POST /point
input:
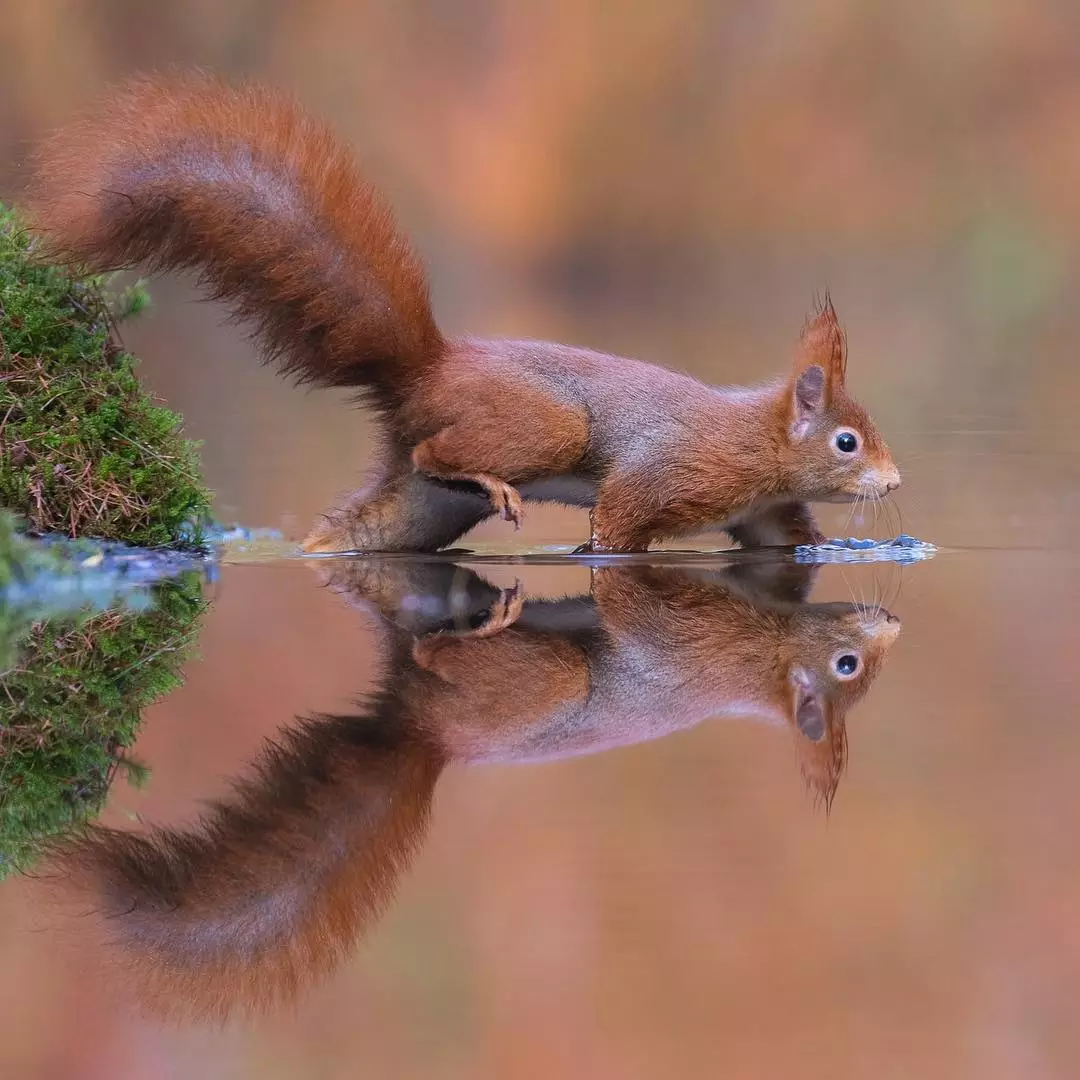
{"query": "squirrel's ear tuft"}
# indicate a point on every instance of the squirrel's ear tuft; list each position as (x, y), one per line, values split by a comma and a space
(824, 344)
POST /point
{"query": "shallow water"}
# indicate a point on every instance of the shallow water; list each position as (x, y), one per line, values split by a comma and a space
(620, 864)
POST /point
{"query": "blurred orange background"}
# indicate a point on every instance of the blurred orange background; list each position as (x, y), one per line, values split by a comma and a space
(671, 181)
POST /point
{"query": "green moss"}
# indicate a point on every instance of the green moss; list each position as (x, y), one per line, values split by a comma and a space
(71, 707)
(83, 449)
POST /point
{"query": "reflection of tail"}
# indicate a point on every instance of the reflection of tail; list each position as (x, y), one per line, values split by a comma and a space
(273, 886)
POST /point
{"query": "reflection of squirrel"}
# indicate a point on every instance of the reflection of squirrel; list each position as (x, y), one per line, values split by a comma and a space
(266, 204)
(275, 884)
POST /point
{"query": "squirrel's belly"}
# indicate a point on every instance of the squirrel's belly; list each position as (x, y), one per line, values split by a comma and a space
(569, 489)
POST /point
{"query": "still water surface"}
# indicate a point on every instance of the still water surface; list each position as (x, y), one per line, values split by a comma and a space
(655, 817)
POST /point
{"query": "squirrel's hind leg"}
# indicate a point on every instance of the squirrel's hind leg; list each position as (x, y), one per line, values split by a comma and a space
(546, 438)
(402, 512)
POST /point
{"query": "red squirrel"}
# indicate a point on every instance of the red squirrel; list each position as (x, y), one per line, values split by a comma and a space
(274, 885)
(266, 204)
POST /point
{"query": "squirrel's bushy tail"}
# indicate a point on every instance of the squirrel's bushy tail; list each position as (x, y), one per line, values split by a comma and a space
(264, 202)
(274, 886)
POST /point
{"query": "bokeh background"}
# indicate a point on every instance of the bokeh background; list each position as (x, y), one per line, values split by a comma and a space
(671, 181)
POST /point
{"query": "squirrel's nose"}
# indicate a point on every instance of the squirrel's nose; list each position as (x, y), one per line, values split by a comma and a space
(892, 485)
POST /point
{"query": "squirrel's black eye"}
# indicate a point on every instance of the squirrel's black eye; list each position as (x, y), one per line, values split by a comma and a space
(847, 664)
(846, 443)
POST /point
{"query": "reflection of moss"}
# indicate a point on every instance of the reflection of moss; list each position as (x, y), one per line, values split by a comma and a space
(71, 706)
(19, 561)
(83, 449)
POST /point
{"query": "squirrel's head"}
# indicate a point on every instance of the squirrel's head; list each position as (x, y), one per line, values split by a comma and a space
(833, 451)
(836, 653)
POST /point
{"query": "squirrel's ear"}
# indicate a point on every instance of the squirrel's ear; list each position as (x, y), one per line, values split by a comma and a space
(807, 399)
(808, 708)
(820, 738)
(810, 718)
(823, 344)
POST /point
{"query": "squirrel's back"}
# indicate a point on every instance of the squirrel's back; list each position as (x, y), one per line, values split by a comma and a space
(264, 202)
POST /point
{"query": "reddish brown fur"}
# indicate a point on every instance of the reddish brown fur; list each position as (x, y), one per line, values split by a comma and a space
(267, 205)
(265, 202)
(494, 692)
(665, 499)
(276, 884)
(549, 437)
(718, 639)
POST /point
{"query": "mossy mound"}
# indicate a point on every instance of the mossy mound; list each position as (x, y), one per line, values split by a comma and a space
(84, 450)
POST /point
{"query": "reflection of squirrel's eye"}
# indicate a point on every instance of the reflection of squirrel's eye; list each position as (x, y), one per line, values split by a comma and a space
(846, 443)
(847, 665)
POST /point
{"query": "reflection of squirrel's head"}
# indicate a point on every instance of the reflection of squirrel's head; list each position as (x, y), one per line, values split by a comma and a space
(835, 653)
(747, 633)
